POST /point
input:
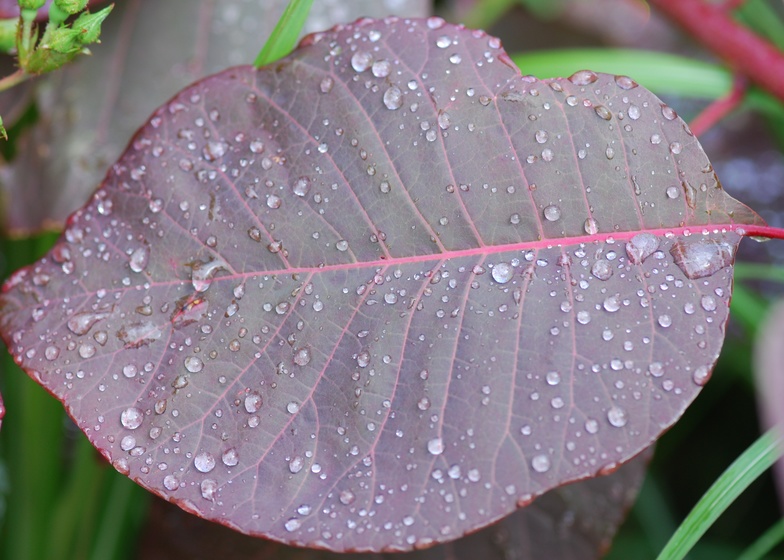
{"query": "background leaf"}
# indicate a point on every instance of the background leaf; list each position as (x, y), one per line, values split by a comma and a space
(369, 324)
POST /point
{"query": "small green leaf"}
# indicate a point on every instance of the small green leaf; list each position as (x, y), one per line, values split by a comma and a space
(71, 6)
(3, 133)
(89, 25)
(63, 40)
(31, 4)
(285, 34)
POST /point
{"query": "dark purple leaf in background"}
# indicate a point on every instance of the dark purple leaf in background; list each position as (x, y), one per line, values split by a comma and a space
(385, 291)
(149, 51)
(768, 360)
(573, 522)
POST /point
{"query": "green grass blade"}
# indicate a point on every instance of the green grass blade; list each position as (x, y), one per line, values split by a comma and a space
(662, 73)
(757, 271)
(740, 474)
(285, 34)
(765, 543)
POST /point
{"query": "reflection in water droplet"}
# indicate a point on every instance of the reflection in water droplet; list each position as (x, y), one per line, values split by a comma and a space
(296, 464)
(292, 525)
(208, 489)
(253, 402)
(708, 303)
(193, 364)
(672, 192)
(302, 356)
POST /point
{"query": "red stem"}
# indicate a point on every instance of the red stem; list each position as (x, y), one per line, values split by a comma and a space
(767, 232)
(744, 51)
(730, 5)
(720, 108)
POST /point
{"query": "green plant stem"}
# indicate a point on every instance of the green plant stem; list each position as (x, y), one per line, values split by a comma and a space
(765, 543)
(285, 34)
(741, 473)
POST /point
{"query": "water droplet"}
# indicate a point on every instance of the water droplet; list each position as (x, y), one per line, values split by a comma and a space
(625, 82)
(541, 136)
(202, 273)
(443, 42)
(664, 321)
(204, 462)
(208, 489)
(668, 112)
(612, 303)
(633, 112)
(81, 323)
(602, 269)
(701, 375)
(591, 227)
(341, 245)
(553, 378)
(296, 464)
(603, 112)
(552, 213)
(541, 463)
(502, 272)
(230, 457)
(702, 257)
(641, 246)
(381, 68)
(672, 192)
(170, 482)
(347, 497)
(435, 446)
(130, 370)
(302, 356)
(194, 364)
(423, 404)
(51, 353)
(138, 259)
(393, 98)
(274, 202)
(708, 303)
(583, 78)
(301, 186)
(591, 426)
(583, 317)
(253, 402)
(86, 350)
(292, 407)
(292, 525)
(361, 61)
(617, 417)
(131, 417)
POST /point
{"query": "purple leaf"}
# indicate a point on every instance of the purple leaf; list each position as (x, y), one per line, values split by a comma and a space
(385, 291)
(573, 522)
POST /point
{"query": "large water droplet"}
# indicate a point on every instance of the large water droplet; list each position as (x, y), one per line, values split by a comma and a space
(361, 61)
(194, 364)
(296, 464)
(302, 356)
(138, 259)
(435, 446)
(204, 462)
(230, 457)
(393, 98)
(81, 323)
(301, 186)
(253, 402)
(541, 463)
(698, 258)
(131, 417)
(552, 213)
(502, 272)
(641, 246)
(202, 273)
(617, 417)
(602, 269)
(583, 78)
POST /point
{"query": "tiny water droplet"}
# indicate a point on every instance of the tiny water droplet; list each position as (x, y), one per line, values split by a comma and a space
(301, 186)
(302, 356)
(252, 402)
(602, 269)
(230, 457)
(138, 259)
(393, 98)
(617, 417)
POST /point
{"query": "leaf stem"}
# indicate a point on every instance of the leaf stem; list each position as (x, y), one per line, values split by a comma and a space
(720, 108)
(744, 51)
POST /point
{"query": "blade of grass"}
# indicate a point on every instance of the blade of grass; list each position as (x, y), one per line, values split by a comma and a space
(741, 473)
(285, 34)
(662, 73)
(765, 543)
(756, 271)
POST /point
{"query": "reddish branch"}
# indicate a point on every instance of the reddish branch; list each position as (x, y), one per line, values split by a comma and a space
(720, 108)
(744, 51)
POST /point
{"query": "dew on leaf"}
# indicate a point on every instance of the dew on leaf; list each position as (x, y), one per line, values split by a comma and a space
(194, 364)
(253, 402)
(541, 463)
(641, 246)
(296, 464)
(292, 524)
(131, 418)
(552, 213)
(301, 186)
(393, 98)
(138, 259)
(708, 303)
(699, 258)
(81, 323)
(602, 269)
(502, 272)
(617, 417)
(230, 457)
(435, 446)
(204, 462)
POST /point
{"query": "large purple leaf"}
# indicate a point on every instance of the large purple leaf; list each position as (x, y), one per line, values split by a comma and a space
(385, 291)
(573, 522)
